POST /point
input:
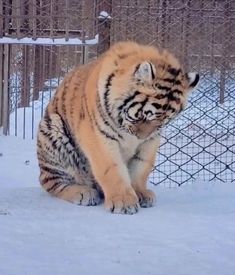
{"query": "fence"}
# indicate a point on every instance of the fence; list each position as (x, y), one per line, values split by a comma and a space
(42, 40)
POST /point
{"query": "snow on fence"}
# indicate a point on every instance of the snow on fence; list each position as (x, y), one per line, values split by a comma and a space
(41, 40)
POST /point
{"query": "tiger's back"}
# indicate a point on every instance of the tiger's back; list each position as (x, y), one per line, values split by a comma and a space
(100, 132)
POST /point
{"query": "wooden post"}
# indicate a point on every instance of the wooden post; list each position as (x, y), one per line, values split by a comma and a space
(5, 99)
(225, 51)
(185, 34)
(163, 23)
(36, 72)
(104, 25)
(25, 84)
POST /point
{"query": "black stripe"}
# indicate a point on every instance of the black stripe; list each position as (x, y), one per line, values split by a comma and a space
(63, 99)
(138, 158)
(55, 186)
(56, 100)
(50, 178)
(142, 105)
(160, 87)
(106, 94)
(72, 101)
(107, 135)
(172, 97)
(52, 171)
(133, 104)
(137, 68)
(62, 189)
(67, 133)
(128, 99)
(108, 168)
(104, 119)
(157, 105)
(172, 80)
(167, 107)
(173, 71)
(194, 83)
(47, 120)
(160, 96)
(82, 113)
(103, 132)
(49, 137)
(152, 73)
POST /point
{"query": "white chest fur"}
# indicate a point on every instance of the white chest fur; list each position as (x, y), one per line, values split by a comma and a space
(129, 146)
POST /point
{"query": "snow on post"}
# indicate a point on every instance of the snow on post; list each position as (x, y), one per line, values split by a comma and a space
(104, 15)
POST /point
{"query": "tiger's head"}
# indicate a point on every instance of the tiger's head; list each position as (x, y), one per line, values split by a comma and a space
(142, 89)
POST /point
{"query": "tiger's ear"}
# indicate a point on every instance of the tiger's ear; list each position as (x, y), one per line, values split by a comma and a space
(193, 79)
(145, 71)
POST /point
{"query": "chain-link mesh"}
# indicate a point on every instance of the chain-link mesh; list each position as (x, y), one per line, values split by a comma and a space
(200, 144)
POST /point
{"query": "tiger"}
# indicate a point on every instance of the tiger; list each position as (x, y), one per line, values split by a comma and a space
(100, 133)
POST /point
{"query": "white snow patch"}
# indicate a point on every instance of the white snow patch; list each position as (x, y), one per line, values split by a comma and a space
(104, 15)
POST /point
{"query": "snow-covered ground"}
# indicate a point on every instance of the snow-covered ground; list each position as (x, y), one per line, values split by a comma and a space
(191, 230)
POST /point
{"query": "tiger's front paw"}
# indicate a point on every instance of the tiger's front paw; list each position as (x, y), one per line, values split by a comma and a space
(147, 198)
(124, 203)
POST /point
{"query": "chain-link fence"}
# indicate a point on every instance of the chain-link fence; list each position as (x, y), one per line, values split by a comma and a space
(40, 40)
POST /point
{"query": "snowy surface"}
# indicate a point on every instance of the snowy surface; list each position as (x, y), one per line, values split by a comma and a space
(48, 41)
(191, 230)
(104, 15)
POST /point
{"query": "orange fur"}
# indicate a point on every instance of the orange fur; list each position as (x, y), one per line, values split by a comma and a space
(110, 112)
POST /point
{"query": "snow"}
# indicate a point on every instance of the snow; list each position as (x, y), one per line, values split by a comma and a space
(49, 41)
(104, 15)
(191, 230)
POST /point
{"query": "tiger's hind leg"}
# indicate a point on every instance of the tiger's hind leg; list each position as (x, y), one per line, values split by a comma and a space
(63, 168)
(62, 186)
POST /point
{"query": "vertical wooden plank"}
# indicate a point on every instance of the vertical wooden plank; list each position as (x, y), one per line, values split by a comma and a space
(34, 19)
(25, 89)
(44, 72)
(26, 17)
(36, 72)
(51, 19)
(7, 16)
(104, 25)
(18, 18)
(225, 51)
(163, 23)
(185, 32)
(66, 21)
(5, 101)
(213, 40)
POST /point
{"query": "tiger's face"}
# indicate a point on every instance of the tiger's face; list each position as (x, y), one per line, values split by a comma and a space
(156, 94)
(141, 89)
